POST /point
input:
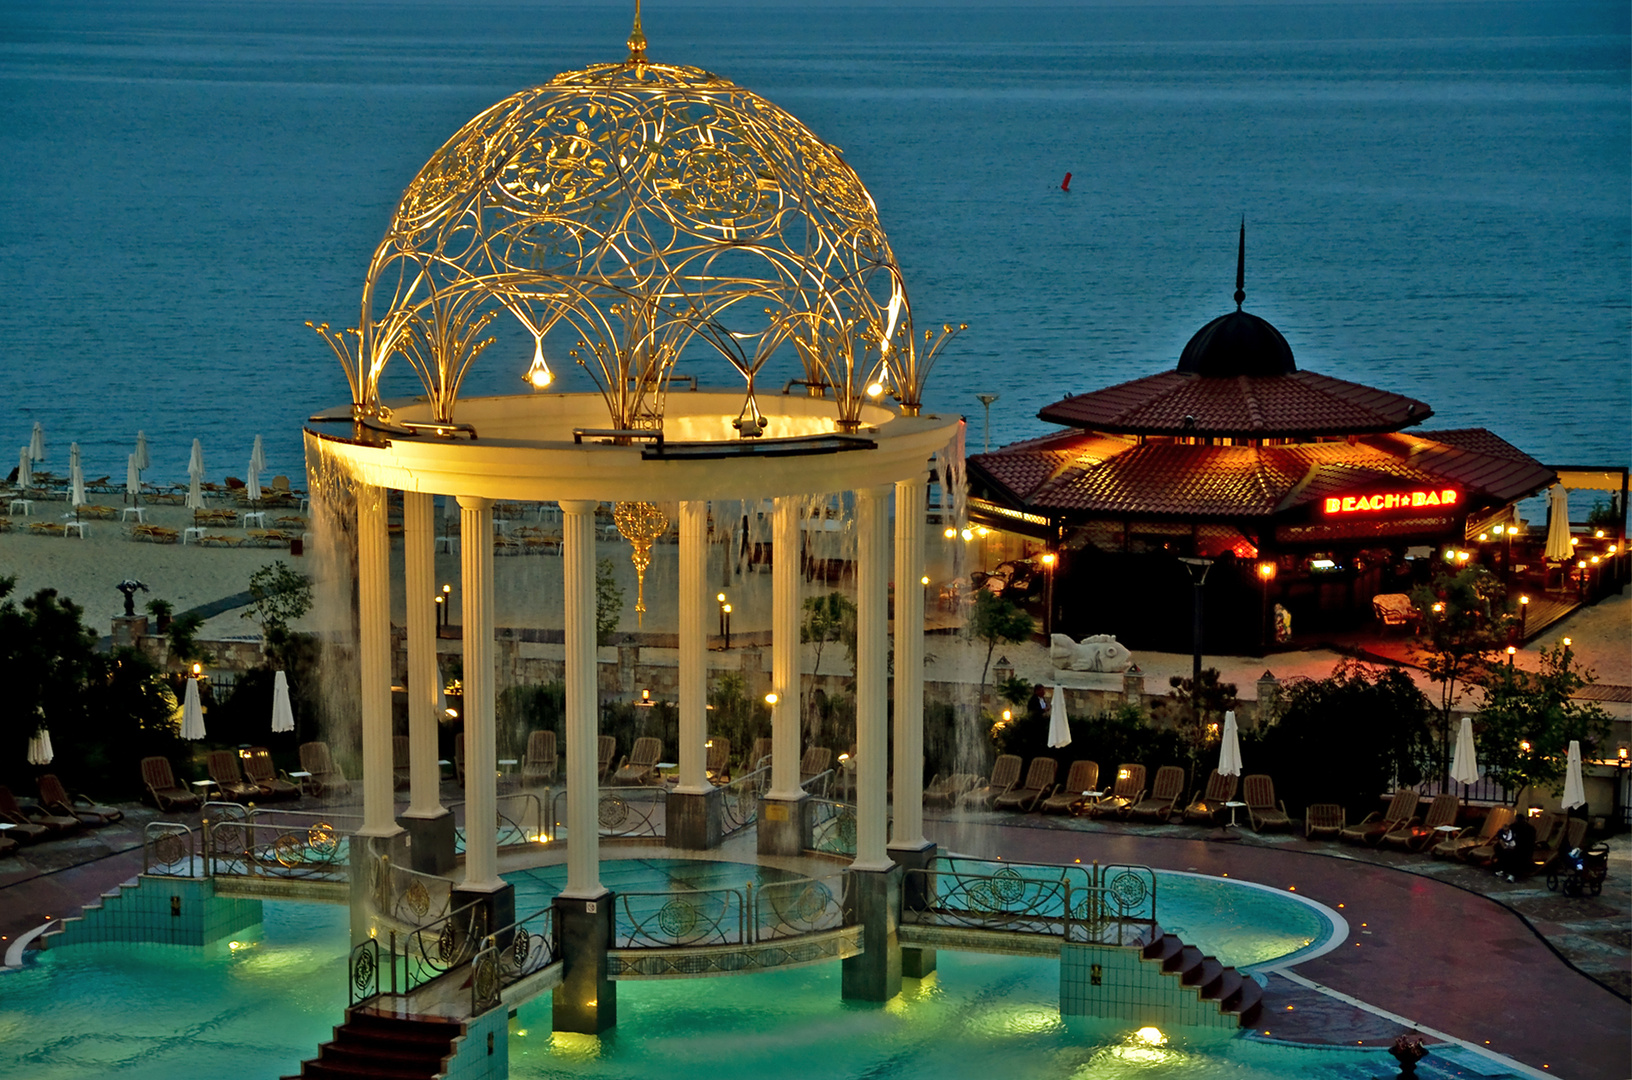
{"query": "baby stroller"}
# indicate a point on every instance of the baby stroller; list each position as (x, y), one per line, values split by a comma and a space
(1580, 870)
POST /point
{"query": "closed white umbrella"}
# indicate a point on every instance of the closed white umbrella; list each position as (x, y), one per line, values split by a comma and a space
(39, 747)
(133, 479)
(1464, 763)
(25, 469)
(1558, 527)
(76, 477)
(1575, 793)
(195, 475)
(192, 713)
(36, 442)
(283, 717)
(142, 460)
(257, 465)
(1229, 748)
(1059, 725)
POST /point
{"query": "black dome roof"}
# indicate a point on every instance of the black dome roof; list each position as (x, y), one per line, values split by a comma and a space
(1237, 344)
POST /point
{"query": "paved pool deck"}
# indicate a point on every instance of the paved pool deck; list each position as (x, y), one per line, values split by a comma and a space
(1530, 974)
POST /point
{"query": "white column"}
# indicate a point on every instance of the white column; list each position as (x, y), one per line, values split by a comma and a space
(583, 791)
(785, 650)
(908, 831)
(693, 647)
(481, 768)
(374, 658)
(872, 677)
(419, 573)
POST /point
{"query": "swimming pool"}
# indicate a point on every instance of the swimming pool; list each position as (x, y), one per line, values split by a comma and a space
(153, 1011)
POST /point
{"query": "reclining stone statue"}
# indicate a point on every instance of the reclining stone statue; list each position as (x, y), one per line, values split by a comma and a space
(1098, 652)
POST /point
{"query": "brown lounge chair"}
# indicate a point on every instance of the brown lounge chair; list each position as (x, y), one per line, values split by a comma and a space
(8, 846)
(326, 778)
(23, 829)
(161, 784)
(1402, 810)
(944, 791)
(263, 774)
(13, 811)
(816, 761)
(759, 755)
(1573, 836)
(606, 748)
(1208, 808)
(1323, 819)
(1164, 796)
(1005, 774)
(541, 762)
(1442, 811)
(223, 766)
(1264, 810)
(717, 763)
(1455, 845)
(1550, 825)
(1083, 778)
(56, 800)
(1128, 789)
(640, 767)
(1039, 783)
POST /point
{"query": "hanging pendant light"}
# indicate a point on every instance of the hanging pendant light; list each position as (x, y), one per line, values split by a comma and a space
(538, 376)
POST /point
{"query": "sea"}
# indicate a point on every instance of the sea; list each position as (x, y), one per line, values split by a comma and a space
(1437, 196)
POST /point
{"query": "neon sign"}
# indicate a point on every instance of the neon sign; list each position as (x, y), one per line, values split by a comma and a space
(1383, 502)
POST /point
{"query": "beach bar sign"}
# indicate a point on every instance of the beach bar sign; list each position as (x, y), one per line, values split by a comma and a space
(1383, 502)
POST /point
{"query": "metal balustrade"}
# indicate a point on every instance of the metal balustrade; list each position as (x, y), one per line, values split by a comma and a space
(1111, 904)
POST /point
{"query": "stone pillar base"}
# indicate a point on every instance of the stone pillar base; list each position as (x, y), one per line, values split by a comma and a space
(430, 843)
(128, 629)
(498, 908)
(784, 826)
(915, 963)
(692, 820)
(872, 898)
(586, 1002)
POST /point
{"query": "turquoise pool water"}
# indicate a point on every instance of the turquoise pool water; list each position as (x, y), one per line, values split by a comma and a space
(154, 1012)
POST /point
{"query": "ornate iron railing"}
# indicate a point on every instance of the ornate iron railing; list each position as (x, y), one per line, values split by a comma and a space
(169, 849)
(523, 948)
(800, 906)
(833, 826)
(1106, 904)
(739, 801)
(519, 820)
(631, 811)
(415, 957)
(408, 896)
(690, 918)
(820, 785)
(251, 842)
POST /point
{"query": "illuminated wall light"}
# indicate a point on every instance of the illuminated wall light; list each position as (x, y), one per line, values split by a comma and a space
(771, 699)
(950, 533)
(1049, 558)
(968, 534)
(924, 580)
(1266, 570)
(1599, 534)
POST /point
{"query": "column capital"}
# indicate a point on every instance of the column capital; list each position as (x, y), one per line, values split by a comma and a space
(578, 506)
(474, 502)
(875, 491)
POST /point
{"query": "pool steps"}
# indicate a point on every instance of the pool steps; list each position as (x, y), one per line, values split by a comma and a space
(378, 1046)
(1212, 980)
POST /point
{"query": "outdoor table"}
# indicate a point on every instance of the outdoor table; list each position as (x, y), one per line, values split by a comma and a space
(4, 825)
(1447, 828)
(77, 526)
(26, 504)
(139, 511)
(257, 518)
(1233, 805)
(1088, 799)
(192, 532)
(204, 788)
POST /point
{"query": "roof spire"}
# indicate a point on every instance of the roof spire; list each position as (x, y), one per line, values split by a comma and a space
(1240, 265)
(637, 40)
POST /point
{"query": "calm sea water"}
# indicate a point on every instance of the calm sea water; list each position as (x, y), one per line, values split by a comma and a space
(1437, 195)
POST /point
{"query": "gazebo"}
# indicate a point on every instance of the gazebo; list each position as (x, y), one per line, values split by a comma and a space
(631, 216)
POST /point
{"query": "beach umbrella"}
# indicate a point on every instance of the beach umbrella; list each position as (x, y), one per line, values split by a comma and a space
(1059, 725)
(36, 443)
(76, 476)
(142, 460)
(195, 476)
(25, 469)
(192, 712)
(1465, 764)
(1558, 525)
(283, 717)
(1575, 793)
(257, 465)
(39, 747)
(133, 478)
(1229, 748)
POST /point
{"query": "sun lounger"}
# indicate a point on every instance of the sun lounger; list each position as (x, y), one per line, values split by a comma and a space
(606, 748)
(1402, 810)
(1323, 819)
(1573, 836)
(263, 774)
(759, 756)
(1460, 844)
(1128, 789)
(1442, 811)
(56, 800)
(28, 813)
(326, 778)
(1263, 809)
(8, 846)
(540, 764)
(947, 790)
(223, 766)
(1005, 774)
(1208, 808)
(1164, 797)
(717, 764)
(1039, 783)
(23, 829)
(1083, 777)
(815, 761)
(161, 784)
(640, 767)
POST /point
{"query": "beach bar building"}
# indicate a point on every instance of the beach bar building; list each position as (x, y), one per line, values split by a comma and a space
(1304, 491)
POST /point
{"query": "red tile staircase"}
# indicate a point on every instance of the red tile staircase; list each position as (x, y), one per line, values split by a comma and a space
(1234, 992)
(384, 1047)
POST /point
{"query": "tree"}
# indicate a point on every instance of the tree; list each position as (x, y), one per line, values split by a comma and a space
(47, 658)
(183, 637)
(278, 596)
(830, 617)
(1462, 627)
(1528, 719)
(996, 621)
(1199, 704)
(608, 601)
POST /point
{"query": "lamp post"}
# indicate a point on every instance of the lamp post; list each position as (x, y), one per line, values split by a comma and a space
(1197, 569)
(1266, 574)
(986, 400)
(1581, 580)
(1049, 559)
(726, 611)
(447, 605)
(1511, 653)
(1524, 616)
(719, 598)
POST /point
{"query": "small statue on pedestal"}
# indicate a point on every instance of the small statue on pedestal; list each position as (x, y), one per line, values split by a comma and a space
(129, 587)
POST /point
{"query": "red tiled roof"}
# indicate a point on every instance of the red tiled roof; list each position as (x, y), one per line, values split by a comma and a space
(1301, 403)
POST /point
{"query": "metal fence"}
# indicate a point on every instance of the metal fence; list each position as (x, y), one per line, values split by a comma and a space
(631, 811)
(252, 842)
(1111, 904)
(519, 819)
(170, 849)
(746, 915)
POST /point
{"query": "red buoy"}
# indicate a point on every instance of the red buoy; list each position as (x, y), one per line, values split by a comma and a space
(1066, 186)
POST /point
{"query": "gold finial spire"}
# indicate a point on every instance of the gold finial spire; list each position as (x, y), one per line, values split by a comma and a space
(637, 40)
